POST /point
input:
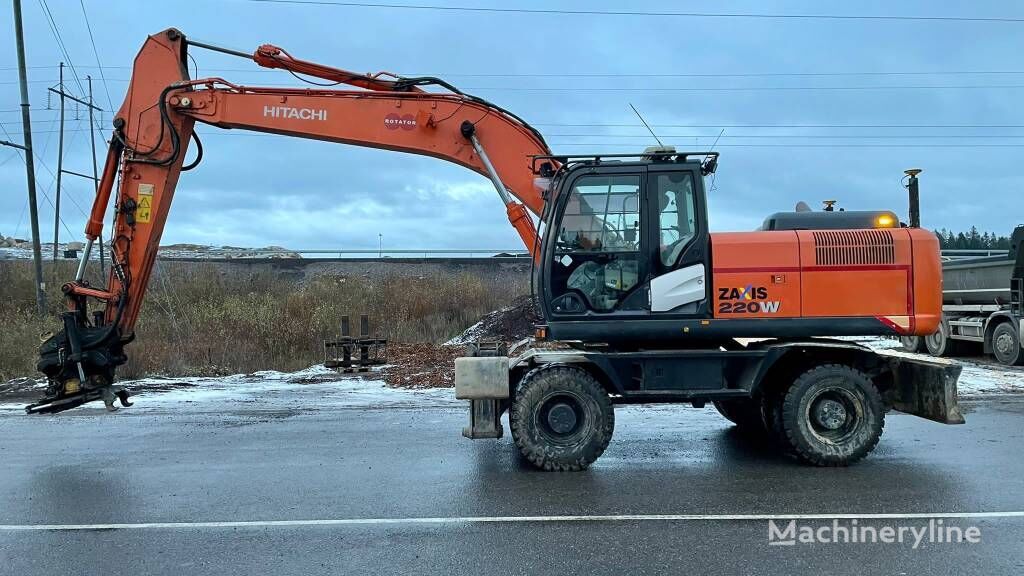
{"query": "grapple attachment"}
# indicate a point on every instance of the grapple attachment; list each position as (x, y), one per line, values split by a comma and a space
(79, 363)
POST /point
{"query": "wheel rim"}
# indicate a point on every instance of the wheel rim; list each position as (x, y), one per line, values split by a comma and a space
(834, 414)
(561, 418)
(935, 342)
(1004, 344)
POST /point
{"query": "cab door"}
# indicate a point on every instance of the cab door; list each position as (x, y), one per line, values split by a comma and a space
(678, 259)
(597, 247)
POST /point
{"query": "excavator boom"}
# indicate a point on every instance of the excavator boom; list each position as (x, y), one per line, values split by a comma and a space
(153, 130)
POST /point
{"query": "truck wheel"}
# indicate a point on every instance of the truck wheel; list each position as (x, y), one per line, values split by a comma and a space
(743, 412)
(912, 343)
(561, 418)
(832, 415)
(1006, 345)
(939, 343)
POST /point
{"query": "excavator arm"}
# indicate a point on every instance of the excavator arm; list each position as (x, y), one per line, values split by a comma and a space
(152, 133)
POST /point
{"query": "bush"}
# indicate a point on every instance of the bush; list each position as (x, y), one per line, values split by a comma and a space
(206, 319)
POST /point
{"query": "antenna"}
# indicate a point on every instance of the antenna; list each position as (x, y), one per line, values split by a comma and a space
(714, 174)
(717, 138)
(645, 124)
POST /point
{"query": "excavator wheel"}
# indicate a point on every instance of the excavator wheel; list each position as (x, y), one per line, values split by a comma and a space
(744, 413)
(561, 418)
(832, 415)
(771, 415)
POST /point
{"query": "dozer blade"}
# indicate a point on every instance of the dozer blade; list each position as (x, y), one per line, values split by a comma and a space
(924, 387)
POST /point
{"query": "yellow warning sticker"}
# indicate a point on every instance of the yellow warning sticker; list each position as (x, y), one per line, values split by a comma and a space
(144, 211)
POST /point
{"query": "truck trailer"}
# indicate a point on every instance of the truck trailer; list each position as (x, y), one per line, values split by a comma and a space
(981, 304)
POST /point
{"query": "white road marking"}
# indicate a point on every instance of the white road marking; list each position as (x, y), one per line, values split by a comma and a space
(508, 520)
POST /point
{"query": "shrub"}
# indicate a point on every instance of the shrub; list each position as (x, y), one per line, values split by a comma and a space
(205, 318)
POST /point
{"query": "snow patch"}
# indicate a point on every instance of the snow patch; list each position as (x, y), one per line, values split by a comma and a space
(474, 332)
(314, 388)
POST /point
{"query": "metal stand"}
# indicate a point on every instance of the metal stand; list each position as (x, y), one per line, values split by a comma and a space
(350, 354)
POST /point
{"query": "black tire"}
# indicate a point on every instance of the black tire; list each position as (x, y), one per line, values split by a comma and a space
(1006, 345)
(561, 418)
(771, 414)
(913, 344)
(832, 416)
(939, 343)
(743, 412)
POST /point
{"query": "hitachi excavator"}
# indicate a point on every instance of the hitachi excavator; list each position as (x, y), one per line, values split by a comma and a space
(641, 303)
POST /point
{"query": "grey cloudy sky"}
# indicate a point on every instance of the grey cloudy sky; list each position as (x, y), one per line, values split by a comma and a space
(257, 190)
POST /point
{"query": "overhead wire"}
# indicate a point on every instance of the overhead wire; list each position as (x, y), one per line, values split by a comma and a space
(645, 13)
(58, 38)
(257, 70)
(866, 87)
(55, 30)
(733, 136)
(716, 126)
(43, 191)
(92, 40)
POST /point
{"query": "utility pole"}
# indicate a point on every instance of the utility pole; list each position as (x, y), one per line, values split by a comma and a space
(60, 156)
(60, 168)
(95, 174)
(26, 121)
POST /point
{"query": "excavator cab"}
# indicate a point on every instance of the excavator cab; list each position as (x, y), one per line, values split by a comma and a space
(626, 241)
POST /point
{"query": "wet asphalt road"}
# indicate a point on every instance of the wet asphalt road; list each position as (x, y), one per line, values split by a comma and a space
(201, 465)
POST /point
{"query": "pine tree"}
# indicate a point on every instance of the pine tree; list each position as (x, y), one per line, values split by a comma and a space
(974, 239)
(961, 241)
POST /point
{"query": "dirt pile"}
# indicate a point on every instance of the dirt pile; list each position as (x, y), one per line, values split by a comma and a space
(510, 324)
(421, 365)
(433, 366)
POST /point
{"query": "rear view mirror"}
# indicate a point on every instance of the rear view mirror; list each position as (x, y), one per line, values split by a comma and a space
(709, 166)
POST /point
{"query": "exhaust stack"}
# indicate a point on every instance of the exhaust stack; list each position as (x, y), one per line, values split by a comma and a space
(915, 197)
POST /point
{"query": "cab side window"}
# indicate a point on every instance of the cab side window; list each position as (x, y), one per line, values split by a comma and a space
(602, 215)
(676, 225)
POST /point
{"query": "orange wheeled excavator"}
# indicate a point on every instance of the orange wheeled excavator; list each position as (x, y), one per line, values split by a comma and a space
(641, 302)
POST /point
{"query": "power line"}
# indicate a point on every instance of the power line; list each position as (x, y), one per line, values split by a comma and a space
(731, 136)
(34, 109)
(95, 53)
(60, 43)
(743, 145)
(850, 126)
(809, 136)
(44, 192)
(679, 88)
(551, 11)
(596, 144)
(258, 70)
(734, 88)
(715, 126)
(702, 74)
(10, 157)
